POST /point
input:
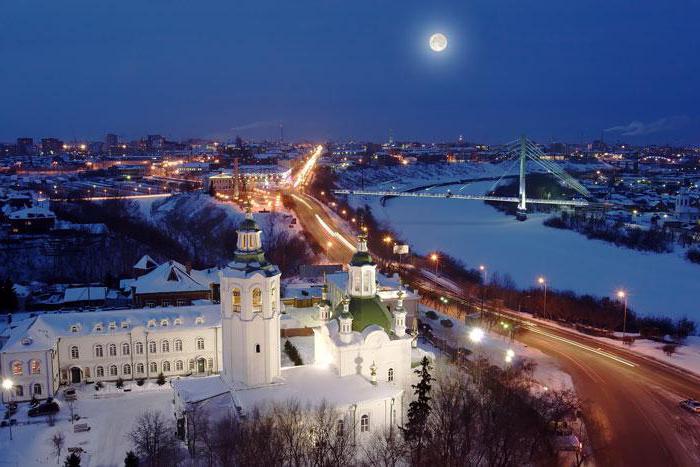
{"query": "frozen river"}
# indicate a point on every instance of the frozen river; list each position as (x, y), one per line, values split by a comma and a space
(663, 284)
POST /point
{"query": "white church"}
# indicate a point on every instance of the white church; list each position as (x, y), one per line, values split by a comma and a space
(362, 352)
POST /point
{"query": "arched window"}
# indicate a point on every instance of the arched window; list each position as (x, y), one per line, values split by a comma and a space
(178, 345)
(126, 350)
(113, 370)
(99, 372)
(37, 389)
(200, 343)
(99, 351)
(34, 367)
(364, 424)
(257, 299)
(126, 369)
(366, 281)
(138, 347)
(236, 299)
(190, 364)
(165, 346)
(210, 363)
(19, 390)
(179, 365)
(166, 367)
(390, 376)
(152, 347)
(17, 368)
(154, 367)
(139, 368)
(273, 298)
(356, 281)
(74, 352)
(112, 350)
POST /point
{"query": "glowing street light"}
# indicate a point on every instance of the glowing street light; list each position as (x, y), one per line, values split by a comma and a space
(476, 335)
(7, 385)
(387, 239)
(543, 282)
(436, 259)
(509, 355)
(622, 295)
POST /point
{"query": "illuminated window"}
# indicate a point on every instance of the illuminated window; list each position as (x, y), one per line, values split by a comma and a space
(17, 369)
(257, 300)
(236, 299)
(34, 367)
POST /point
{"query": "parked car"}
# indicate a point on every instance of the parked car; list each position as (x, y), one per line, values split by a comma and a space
(691, 405)
(69, 394)
(48, 407)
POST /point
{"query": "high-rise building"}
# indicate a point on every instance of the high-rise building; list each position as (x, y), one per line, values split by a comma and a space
(50, 146)
(25, 146)
(111, 140)
(155, 141)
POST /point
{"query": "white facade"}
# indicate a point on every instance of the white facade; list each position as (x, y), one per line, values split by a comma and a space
(74, 348)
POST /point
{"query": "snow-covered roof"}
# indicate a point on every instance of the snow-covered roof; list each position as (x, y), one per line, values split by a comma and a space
(44, 329)
(35, 212)
(170, 276)
(146, 262)
(303, 382)
(81, 294)
(197, 389)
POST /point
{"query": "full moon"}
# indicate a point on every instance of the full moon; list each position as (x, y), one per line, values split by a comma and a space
(438, 42)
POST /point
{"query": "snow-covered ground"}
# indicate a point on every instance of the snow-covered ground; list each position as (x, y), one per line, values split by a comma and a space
(111, 417)
(658, 284)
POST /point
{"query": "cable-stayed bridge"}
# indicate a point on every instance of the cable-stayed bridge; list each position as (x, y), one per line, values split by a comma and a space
(519, 152)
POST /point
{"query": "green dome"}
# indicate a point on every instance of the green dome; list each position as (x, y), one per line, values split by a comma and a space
(361, 258)
(365, 312)
(248, 224)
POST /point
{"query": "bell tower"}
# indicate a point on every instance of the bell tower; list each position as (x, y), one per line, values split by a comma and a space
(250, 311)
(362, 272)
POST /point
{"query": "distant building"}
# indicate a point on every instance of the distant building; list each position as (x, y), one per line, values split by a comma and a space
(173, 284)
(25, 146)
(51, 146)
(111, 140)
(32, 220)
(685, 210)
(155, 142)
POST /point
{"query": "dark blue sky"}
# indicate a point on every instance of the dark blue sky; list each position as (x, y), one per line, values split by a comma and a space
(351, 69)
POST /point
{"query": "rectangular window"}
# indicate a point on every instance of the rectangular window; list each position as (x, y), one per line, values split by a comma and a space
(150, 304)
(181, 302)
(165, 303)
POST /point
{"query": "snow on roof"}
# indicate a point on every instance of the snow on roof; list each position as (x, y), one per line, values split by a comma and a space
(146, 262)
(125, 284)
(45, 328)
(303, 382)
(197, 389)
(34, 212)
(170, 276)
(81, 294)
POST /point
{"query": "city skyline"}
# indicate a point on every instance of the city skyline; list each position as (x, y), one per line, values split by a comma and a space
(553, 71)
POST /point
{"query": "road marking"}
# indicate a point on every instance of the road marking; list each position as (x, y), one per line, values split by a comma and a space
(585, 347)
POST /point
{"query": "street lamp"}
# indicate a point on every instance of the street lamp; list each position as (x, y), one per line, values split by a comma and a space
(476, 335)
(482, 268)
(436, 259)
(543, 282)
(509, 355)
(7, 385)
(622, 295)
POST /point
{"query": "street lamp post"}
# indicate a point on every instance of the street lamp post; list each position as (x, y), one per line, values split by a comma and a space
(543, 282)
(436, 259)
(623, 296)
(7, 386)
(482, 268)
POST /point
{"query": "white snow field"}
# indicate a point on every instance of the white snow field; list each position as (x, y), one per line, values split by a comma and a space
(658, 284)
(110, 417)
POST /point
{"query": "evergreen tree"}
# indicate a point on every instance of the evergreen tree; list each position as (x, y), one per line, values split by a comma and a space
(161, 379)
(72, 461)
(415, 432)
(8, 296)
(131, 460)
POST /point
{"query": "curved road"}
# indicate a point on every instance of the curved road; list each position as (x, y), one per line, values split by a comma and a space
(630, 403)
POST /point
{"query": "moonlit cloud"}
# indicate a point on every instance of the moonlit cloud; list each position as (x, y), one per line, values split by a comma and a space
(637, 128)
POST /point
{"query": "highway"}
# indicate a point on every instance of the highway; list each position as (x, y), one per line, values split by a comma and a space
(630, 403)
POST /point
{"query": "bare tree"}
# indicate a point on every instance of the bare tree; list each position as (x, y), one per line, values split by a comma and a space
(154, 439)
(386, 449)
(58, 440)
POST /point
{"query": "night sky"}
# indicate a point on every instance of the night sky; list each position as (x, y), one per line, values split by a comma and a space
(568, 70)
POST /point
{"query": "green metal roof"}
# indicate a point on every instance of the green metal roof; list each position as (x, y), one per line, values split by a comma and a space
(248, 225)
(361, 258)
(365, 312)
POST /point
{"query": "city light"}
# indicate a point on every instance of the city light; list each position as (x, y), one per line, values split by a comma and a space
(541, 280)
(387, 239)
(476, 335)
(621, 294)
(433, 257)
(7, 384)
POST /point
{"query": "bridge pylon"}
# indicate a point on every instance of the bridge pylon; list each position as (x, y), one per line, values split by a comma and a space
(521, 213)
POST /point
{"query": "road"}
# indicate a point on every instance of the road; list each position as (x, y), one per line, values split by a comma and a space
(630, 403)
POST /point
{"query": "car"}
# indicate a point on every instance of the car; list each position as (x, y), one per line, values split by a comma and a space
(691, 405)
(48, 407)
